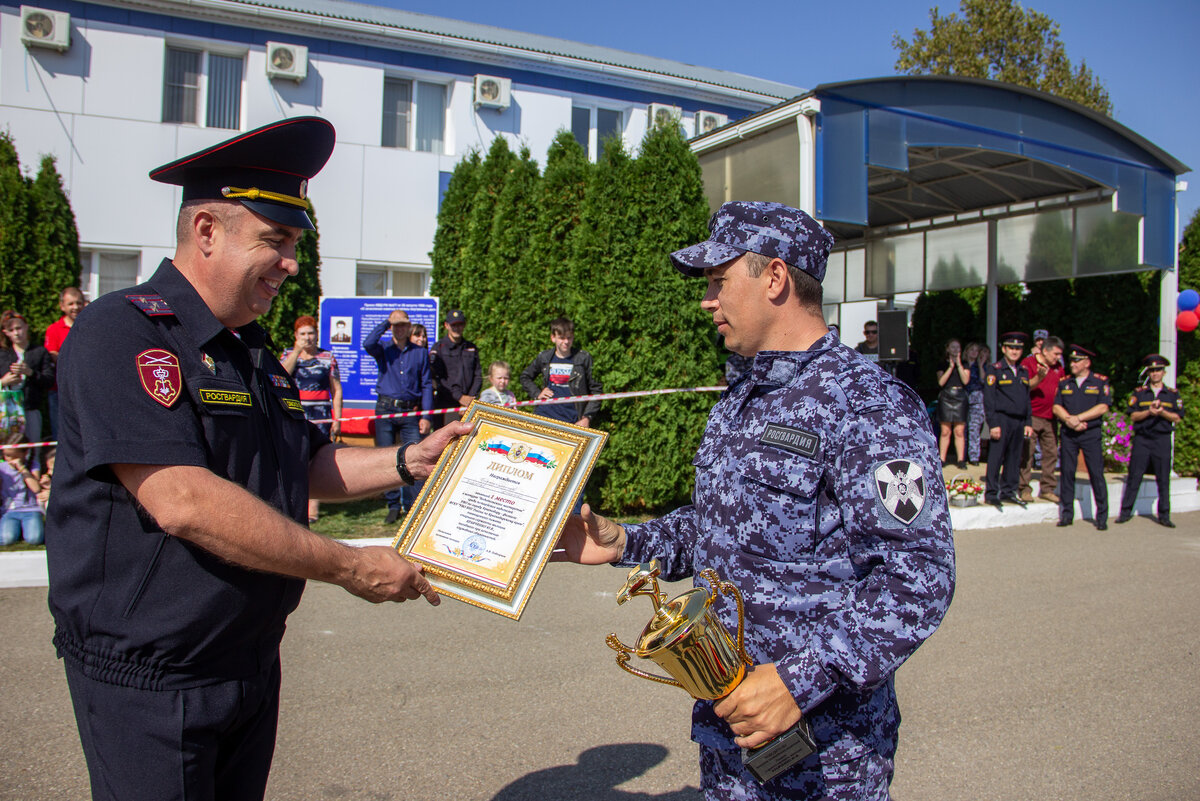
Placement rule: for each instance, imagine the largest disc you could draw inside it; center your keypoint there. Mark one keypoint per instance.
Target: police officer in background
(1155, 409)
(177, 542)
(454, 363)
(1082, 400)
(1009, 415)
(818, 491)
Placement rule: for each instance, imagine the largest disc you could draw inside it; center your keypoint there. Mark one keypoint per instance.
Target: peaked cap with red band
(267, 169)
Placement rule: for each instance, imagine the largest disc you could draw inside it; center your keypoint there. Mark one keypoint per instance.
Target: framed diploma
(490, 513)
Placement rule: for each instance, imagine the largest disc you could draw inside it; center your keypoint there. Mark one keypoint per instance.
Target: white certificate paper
(487, 519)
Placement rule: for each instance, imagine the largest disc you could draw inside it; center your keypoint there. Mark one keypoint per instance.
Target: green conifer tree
(449, 242)
(641, 319)
(473, 261)
(15, 215)
(53, 247)
(513, 222)
(541, 284)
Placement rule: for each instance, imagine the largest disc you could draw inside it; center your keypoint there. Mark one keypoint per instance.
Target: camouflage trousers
(722, 778)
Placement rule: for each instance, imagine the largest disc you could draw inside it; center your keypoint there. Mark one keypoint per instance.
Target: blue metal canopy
(898, 149)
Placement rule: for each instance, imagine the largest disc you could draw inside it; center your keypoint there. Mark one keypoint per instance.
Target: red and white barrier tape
(575, 399)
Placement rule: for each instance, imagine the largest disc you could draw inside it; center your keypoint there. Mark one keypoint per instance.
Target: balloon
(1189, 299)
(1187, 321)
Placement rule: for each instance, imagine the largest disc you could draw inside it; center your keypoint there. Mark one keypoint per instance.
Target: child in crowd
(19, 486)
(498, 393)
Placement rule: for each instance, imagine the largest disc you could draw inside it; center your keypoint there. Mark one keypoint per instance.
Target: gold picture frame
(489, 515)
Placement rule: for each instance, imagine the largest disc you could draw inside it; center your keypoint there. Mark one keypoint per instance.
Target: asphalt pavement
(1066, 669)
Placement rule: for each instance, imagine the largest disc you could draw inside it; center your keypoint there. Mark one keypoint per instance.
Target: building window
(397, 99)
(419, 125)
(581, 126)
(107, 271)
(592, 126)
(192, 74)
(608, 125)
(380, 281)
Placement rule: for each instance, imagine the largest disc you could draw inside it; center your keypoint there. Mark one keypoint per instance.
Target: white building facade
(114, 89)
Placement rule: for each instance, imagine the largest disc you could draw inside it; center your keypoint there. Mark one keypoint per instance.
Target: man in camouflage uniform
(818, 492)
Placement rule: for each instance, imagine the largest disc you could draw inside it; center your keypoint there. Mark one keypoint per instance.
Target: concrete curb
(28, 568)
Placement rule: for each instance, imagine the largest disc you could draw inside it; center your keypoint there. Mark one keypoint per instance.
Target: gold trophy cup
(687, 640)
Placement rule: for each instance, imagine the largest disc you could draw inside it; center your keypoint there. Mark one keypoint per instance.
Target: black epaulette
(151, 305)
(1101, 377)
(1170, 389)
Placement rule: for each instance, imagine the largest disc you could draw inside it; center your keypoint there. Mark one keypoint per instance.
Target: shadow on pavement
(595, 777)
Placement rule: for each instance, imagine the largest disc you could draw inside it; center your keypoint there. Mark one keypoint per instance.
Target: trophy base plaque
(780, 753)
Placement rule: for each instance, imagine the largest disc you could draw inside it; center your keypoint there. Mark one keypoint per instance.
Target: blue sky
(1144, 52)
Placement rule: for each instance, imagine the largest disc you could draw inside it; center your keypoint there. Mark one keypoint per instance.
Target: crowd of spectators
(28, 407)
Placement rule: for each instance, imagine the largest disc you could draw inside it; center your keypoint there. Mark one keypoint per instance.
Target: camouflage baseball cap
(772, 229)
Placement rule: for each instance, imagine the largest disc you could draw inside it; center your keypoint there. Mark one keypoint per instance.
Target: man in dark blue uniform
(1155, 409)
(1009, 417)
(405, 384)
(176, 538)
(454, 361)
(1083, 399)
(819, 494)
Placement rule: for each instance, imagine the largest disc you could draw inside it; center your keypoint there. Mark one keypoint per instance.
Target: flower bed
(1117, 439)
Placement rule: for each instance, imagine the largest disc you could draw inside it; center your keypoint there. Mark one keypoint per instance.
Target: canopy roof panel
(899, 149)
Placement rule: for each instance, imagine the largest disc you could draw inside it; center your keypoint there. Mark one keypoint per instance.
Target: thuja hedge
(39, 244)
(517, 246)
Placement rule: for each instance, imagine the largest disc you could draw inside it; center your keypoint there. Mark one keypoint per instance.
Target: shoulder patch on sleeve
(159, 372)
(151, 305)
(900, 487)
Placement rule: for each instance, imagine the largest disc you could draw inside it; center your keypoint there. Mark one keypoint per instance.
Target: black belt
(396, 403)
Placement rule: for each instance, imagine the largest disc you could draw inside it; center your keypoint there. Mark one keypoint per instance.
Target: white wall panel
(400, 191)
(115, 202)
(337, 195)
(126, 74)
(37, 133)
(351, 98)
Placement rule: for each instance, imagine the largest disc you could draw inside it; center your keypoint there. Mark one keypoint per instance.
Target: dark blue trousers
(211, 743)
(1005, 453)
(1153, 453)
(1091, 444)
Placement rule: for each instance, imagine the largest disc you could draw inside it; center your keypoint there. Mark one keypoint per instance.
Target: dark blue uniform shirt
(1006, 391)
(403, 372)
(149, 376)
(1154, 425)
(455, 368)
(819, 494)
(1078, 398)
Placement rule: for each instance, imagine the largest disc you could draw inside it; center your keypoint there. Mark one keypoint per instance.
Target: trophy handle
(623, 654)
(729, 588)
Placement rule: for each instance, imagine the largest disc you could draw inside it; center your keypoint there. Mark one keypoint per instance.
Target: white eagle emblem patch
(901, 487)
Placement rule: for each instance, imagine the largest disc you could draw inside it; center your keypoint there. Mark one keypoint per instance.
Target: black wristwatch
(401, 467)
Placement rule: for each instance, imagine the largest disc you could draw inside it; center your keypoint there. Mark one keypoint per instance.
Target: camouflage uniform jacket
(819, 494)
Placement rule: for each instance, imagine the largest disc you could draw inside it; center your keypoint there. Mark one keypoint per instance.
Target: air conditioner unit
(492, 92)
(662, 114)
(287, 61)
(43, 28)
(707, 121)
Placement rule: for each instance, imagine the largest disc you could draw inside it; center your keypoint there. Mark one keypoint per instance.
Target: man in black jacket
(454, 362)
(566, 372)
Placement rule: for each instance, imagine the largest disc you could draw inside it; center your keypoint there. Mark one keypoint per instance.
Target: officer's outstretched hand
(759, 708)
(379, 574)
(422, 456)
(589, 539)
